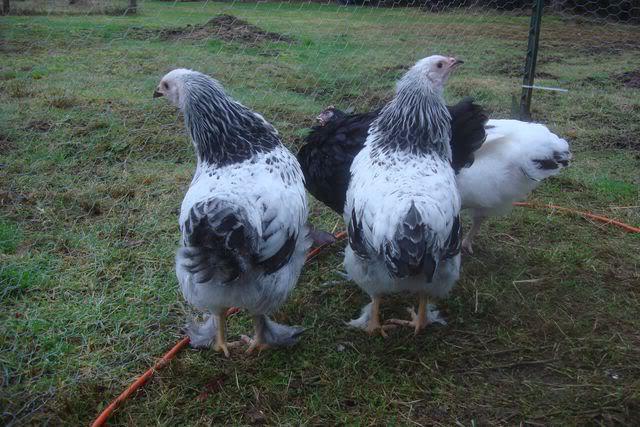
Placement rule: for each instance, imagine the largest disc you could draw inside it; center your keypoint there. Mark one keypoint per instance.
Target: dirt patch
(628, 141)
(12, 198)
(610, 48)
(39, 125)
(16, 47)
(63, 102)
(395, 68)
(222, 27)
(510, 67)
(514, 67)
(545, 75)
(543, 59)
(630, 79)
(6, 144)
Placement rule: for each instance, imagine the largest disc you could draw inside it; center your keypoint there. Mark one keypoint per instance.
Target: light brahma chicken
(512, 162)
(402, 207)
(243, 218)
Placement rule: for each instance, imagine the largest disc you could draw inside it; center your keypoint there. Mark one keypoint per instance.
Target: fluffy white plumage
(402, 203)
(513, 161)
(273, 208)
(384, 196)
(243, 218)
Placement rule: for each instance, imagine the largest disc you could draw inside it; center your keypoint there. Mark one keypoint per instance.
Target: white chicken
(402, 205)
(512, 162)
(243, 218)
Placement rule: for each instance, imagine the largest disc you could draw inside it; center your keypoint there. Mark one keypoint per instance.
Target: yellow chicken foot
(418, 320)
(374, 326)
(221, 342)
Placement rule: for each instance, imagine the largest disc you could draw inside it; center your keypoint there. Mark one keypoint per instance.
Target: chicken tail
(468, 121)
(218, 242)
(415, 248)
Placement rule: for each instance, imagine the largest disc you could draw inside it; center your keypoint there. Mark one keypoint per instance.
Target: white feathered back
(512, 162)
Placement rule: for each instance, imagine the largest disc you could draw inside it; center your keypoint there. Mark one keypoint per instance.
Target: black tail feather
(467, 132)
(330, 148)
(408, 254)
(357, 241)
(217, 242)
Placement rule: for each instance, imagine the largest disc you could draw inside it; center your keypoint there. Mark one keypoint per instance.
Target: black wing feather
(357, 241)
(219, 242)
(467, 132)
(408, 253)
(330, 149)
(328, 153)
(281, 257)
(453, 244)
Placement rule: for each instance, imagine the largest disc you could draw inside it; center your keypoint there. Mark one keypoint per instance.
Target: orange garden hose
(139, 382)
(600, 218)
(315, 251)
(142, 380)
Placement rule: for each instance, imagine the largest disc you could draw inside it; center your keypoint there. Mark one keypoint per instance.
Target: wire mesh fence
(292, 59)
(289, 60)
(106, 165)
(341, 67)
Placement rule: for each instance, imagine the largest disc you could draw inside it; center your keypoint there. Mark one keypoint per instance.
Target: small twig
(518, 290)
(624, 207)
(529, 281)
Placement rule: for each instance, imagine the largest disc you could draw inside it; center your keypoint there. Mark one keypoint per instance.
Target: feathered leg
(202, 335)
(475, 227)
(271, 334)
(418, 320)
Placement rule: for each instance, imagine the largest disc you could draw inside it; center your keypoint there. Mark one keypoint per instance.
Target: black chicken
(338, 137)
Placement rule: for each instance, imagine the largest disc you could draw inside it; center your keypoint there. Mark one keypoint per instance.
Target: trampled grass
(543, 326)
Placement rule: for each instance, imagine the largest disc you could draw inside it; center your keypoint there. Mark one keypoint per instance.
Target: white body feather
(383, 190)
(257, 186)
(504, 170)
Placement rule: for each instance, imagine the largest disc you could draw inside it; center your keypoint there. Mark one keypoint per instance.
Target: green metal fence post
(530, 61)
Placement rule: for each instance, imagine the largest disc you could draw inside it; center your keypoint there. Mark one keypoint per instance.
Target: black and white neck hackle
(223, 131)
(416, 121)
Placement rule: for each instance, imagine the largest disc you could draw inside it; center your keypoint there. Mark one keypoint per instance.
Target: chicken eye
(165, 85)
(439, 64)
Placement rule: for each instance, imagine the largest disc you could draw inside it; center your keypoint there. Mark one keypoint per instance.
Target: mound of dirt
(630, 79)
(222, 27)
(6, 144)
(39, 125)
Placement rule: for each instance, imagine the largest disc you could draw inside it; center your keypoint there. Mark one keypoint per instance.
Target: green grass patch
(542, 325)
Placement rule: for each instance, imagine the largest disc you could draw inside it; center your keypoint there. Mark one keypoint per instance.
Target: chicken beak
(455, 63)
(157, 93)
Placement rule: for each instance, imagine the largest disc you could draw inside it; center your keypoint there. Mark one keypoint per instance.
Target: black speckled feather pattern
(330, 149)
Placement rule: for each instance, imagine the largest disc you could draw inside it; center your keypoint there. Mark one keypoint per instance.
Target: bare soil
(6, 144)
(39, 125)
(630, 79)
(222, 27)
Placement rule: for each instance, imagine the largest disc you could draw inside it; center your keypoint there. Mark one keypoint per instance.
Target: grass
(543, 325)
(65, 7)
